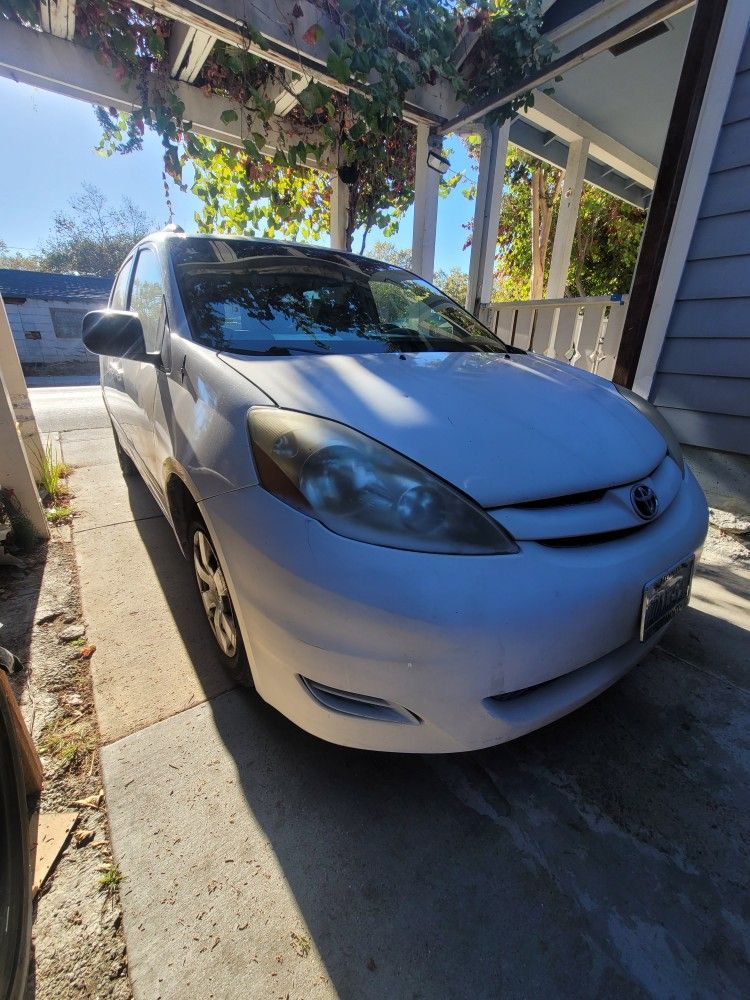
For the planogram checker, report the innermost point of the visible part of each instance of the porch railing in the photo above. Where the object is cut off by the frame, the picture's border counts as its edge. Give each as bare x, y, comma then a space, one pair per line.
584, 332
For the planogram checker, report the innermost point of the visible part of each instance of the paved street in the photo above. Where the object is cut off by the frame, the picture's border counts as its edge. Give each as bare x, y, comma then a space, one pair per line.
606, 855
67, 403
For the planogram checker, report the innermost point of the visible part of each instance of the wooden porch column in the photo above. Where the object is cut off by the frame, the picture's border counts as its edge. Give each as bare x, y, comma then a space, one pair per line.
15, 472
426, 185
487, 215
567, 217
15, 383
340, 201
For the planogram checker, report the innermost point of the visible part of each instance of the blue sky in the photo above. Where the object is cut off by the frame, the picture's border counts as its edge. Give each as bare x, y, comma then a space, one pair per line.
53, 138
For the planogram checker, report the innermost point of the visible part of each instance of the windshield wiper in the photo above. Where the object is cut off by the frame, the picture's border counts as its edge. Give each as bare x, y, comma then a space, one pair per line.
278, 350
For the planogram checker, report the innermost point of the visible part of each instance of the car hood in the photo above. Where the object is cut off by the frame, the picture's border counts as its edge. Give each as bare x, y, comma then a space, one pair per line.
505, 429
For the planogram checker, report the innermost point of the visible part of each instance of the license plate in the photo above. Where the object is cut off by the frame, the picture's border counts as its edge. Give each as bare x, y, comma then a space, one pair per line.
664, 596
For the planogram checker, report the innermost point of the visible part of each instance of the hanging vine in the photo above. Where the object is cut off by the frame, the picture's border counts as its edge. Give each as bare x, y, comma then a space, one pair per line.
271, 181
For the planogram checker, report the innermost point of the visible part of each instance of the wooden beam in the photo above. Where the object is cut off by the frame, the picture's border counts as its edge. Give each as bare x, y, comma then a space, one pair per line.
340, 208
555, 117
188, 50
696, 67
287, 93
58, 17
655, 12
426, 189
63, 67
718, 89
283, 35
567, 217
493, 151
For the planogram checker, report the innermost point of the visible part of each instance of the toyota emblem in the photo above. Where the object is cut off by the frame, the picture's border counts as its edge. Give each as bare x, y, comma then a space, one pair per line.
644, 501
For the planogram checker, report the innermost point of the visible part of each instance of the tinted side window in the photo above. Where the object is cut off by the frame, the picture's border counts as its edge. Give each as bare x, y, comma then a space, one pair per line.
146, 297
119, 297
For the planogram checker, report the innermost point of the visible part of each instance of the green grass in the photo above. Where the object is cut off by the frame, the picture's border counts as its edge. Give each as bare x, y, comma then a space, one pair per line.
110, 879
57, 514
66, 742
52, 471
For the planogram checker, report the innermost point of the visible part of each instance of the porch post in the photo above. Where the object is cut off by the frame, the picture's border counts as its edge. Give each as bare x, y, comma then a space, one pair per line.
340, 198
492, 156
426, 185
567, 217
15, 472
19, 397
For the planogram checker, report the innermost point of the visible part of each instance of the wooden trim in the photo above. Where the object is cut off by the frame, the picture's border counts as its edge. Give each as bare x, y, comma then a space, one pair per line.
696, 67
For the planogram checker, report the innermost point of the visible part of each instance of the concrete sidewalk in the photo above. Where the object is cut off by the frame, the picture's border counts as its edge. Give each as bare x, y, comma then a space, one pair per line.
604, 855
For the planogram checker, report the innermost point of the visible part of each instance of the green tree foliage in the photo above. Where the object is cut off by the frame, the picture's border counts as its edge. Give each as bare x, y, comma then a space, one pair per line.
454, 282
92, 236
378, 52
19, 261
606, 243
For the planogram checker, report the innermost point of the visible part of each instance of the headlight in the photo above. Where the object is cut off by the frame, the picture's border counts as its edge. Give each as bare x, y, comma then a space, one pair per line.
674, 448
363, 490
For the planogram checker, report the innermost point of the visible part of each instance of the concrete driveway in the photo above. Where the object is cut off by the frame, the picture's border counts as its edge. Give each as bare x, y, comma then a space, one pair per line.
606, 855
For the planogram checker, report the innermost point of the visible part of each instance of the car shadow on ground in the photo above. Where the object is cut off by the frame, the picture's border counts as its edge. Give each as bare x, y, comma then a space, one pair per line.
603, 854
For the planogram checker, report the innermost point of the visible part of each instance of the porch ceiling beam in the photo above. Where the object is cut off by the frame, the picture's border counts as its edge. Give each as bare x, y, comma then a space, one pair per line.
555, 152
286, 93
554, 117
283, 34
54, 64
58, 17
188, 50
598, 18
652, 14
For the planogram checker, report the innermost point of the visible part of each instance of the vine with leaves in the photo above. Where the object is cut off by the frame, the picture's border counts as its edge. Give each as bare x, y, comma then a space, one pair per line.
379, 51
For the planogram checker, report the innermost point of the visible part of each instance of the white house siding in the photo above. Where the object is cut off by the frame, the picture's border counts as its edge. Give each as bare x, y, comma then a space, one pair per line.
702, 382
34, 316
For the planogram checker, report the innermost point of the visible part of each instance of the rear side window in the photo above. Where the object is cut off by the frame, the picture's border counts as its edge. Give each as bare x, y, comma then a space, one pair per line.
146, 297
119, 296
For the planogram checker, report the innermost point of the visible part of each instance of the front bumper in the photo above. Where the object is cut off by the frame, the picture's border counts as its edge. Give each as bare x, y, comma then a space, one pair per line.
437, 638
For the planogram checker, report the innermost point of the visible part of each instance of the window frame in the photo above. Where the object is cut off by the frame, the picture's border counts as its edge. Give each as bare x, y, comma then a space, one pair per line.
162, 341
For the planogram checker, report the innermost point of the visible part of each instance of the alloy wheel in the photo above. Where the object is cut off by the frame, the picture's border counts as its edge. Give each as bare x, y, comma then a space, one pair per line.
214, 593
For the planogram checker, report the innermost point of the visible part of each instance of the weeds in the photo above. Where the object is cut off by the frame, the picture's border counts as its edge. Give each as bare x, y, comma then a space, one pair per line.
52, 471
57, 514
110, 879
66, 742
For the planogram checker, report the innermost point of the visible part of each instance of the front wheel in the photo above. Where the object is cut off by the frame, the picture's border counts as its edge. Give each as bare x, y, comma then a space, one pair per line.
214, 593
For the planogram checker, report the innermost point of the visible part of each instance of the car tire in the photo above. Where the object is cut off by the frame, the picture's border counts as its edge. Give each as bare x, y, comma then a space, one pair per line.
217, 604
127, 465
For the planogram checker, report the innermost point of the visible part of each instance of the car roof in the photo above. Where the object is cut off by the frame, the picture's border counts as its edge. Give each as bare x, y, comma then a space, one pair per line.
165, 236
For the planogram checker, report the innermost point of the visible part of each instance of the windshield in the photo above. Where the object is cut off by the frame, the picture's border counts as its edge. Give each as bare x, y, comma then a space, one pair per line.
257, 298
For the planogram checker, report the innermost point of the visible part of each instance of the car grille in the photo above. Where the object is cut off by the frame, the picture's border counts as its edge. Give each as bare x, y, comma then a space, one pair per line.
591, 517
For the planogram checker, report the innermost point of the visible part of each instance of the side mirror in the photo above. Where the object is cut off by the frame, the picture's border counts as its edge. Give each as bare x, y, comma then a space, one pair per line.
116, 334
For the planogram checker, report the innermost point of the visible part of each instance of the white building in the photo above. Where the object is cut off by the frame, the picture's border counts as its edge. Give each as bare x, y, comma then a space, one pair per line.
45, 313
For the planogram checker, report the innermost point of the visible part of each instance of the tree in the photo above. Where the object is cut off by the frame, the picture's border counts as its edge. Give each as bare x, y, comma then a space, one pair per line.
378, 52
454, 282
93, 237
606, 243
18, 261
